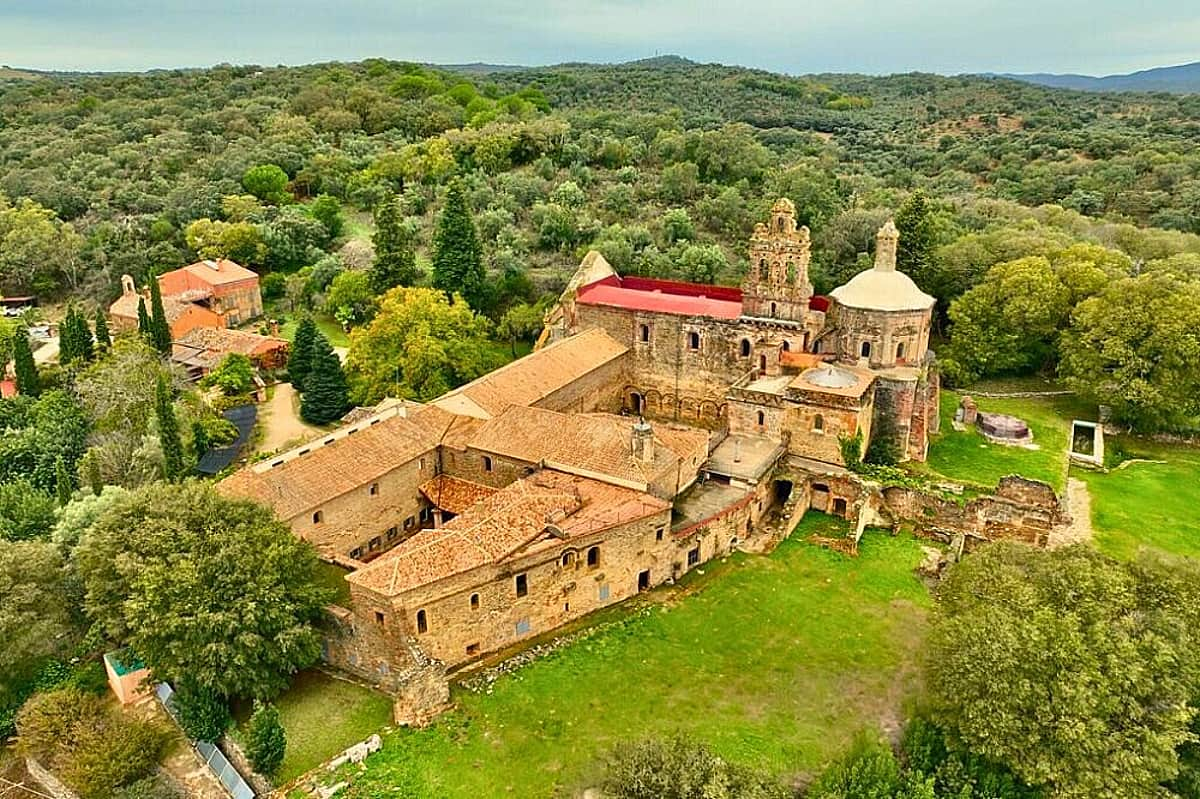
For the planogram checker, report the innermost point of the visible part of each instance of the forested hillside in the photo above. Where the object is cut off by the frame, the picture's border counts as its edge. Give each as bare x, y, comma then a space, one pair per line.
663, 165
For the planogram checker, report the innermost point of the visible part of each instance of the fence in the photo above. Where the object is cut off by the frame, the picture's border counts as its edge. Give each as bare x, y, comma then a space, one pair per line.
213, 757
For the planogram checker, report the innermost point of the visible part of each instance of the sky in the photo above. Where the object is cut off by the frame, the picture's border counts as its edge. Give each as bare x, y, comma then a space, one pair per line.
1093, 37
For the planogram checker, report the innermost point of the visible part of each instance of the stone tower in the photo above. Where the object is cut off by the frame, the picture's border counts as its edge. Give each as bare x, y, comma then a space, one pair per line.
777, 284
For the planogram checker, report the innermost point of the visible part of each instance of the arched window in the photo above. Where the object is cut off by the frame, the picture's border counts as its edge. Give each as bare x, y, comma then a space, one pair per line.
474, 601
774, 309
762, 263
787, 346
318, 516
694, 340
487, 463
635, 402
567, 558
422, 622
762, 419
818, 423
745, 348
593, 557
865, 350
791, 272
900, 350
644, 332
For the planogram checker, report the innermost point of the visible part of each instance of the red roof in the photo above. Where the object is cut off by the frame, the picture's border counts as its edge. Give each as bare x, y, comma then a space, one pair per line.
8, 389
663, 296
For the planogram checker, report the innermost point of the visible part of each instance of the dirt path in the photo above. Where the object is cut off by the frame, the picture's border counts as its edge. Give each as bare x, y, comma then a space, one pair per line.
1079, 505
281, 422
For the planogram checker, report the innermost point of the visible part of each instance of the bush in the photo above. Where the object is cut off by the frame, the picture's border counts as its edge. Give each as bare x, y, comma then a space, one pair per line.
682, 769
266, 741
160, 786
273, 285
203, 714
870, 771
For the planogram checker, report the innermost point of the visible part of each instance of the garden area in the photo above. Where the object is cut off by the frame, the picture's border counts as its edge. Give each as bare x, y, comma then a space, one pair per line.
776, 661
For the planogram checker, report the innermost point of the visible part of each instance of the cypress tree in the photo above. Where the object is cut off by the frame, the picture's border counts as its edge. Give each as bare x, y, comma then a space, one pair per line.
62, 482
83, 337
143, 319
103, 339
91, 465
300, 357
200, 442
68, 338
326, 397
457, 253
28, 382
168, 432
395, 262
160, 330
918, 238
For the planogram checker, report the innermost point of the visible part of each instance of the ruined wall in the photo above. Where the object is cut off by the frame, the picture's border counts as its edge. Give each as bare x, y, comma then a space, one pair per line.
362, 640
354, 520
561, 586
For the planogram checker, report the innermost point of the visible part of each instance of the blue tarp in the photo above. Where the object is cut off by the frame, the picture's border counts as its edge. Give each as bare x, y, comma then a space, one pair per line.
243, 418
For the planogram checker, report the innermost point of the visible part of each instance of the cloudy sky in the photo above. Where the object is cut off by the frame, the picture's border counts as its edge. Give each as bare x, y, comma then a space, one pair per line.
948, 36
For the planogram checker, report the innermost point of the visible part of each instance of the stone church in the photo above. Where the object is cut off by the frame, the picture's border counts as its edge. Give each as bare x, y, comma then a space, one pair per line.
658, 425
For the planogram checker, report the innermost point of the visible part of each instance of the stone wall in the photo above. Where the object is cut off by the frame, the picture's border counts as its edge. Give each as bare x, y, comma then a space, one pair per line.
52, 784
239, 301
360, 642
599, 390
896, 338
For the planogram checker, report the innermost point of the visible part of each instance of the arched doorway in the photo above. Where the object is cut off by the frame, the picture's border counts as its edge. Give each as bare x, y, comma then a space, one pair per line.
636, 404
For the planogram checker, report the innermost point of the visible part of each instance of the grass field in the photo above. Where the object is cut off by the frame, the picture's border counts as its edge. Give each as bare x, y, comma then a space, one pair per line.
776, 661
323, 716
326, 324
969, 457
1147, 504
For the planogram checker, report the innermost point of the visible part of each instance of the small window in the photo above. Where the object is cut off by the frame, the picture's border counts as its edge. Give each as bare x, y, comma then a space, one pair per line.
426, 514
865, 350
421, 464
762, 362
787, 346
567, 559
658, 534
774, 309
375, 543
522, 584
422, 622
900, 350
410, 523
392, 533
818, 424
762, 419
379, 617
318, 517
487, 463
566, 607
472, 649
474, 601
523, 627
593, 557
745, 348
356, 553
693, 340
602, 593
374, 489
644, 333
693, 556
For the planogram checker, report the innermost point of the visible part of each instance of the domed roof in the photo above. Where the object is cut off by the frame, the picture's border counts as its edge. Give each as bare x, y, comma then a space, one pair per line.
829, 376
877, 290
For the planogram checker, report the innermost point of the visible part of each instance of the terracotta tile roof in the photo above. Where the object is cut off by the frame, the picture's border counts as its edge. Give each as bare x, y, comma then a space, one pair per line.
224, 341
454, 494
801, 360
330, 470
597, 444
512, 522
216, 272
126, 306
528, 380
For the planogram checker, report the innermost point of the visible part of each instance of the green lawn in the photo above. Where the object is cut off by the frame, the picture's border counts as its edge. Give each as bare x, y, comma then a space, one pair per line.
334, 578
1147, 504
776, 661
969, 457
327, 325
323, 716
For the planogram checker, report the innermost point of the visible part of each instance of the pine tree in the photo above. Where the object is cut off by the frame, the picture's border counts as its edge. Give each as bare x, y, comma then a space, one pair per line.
395, 262
200, 441
103, 339
28, 382
143, 319
300, 357
457, 254
266, 740
160, 330
168, 432
62, 482
326, 397
918, 238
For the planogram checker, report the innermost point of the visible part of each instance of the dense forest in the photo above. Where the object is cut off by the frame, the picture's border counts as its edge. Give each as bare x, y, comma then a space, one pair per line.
663, 165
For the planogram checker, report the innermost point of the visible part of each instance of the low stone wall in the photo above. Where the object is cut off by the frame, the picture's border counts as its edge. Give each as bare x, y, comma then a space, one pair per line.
52, 784
230, 748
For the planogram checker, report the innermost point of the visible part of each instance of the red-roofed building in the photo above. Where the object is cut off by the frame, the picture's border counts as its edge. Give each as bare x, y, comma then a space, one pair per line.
227, 288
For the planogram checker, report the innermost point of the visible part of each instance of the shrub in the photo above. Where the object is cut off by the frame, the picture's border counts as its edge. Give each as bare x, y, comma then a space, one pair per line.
681, 768
203, 714
159, 786
870, 771
272, 285
266, 741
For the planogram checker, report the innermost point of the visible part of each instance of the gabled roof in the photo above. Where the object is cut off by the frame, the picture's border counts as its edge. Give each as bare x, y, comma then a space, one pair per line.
537, 512
224, 340
454, 494
663, 296
531, 379
213, 272
126, 306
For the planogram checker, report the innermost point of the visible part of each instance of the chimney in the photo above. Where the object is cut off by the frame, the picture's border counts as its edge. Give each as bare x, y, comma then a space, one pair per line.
643, 441
886, 242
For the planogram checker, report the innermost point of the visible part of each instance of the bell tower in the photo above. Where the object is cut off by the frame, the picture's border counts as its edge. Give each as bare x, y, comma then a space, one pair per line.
777, 284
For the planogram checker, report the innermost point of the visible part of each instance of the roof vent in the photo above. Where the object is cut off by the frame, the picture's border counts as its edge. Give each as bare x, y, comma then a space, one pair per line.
213, 265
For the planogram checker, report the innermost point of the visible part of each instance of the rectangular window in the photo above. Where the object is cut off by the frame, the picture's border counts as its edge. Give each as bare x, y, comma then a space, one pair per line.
378, 617
522, 583
693, 556
658, 534
318, 517
374, 489
376, 543
356, 553
392, 533
523, 627
603, 592
410, 522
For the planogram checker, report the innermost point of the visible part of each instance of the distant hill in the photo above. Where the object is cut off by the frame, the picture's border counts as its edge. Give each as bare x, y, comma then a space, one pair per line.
1182, 79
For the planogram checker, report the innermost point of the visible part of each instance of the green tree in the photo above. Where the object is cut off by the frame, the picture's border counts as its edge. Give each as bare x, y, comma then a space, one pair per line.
350, 298
300, 357
63, 482
326, 209
918, 238
419, 346
326, 397
168, 431
1136, 348
395, 262
8, 334
520, 322
143, 319
28, 382
266, 741
200, 441
457, 254
75, 338
203, 714
233, 375
160, 328
35, 621
869, 771
268, 183
53, 427
211, 589
103, 339
26, 512
677, 226
1073, 669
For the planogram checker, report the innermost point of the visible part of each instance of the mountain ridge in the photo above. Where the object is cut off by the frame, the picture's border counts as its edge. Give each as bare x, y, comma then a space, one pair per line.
1177, 79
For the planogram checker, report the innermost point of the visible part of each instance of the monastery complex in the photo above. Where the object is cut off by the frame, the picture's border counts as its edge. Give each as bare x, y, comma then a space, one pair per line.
657, 426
